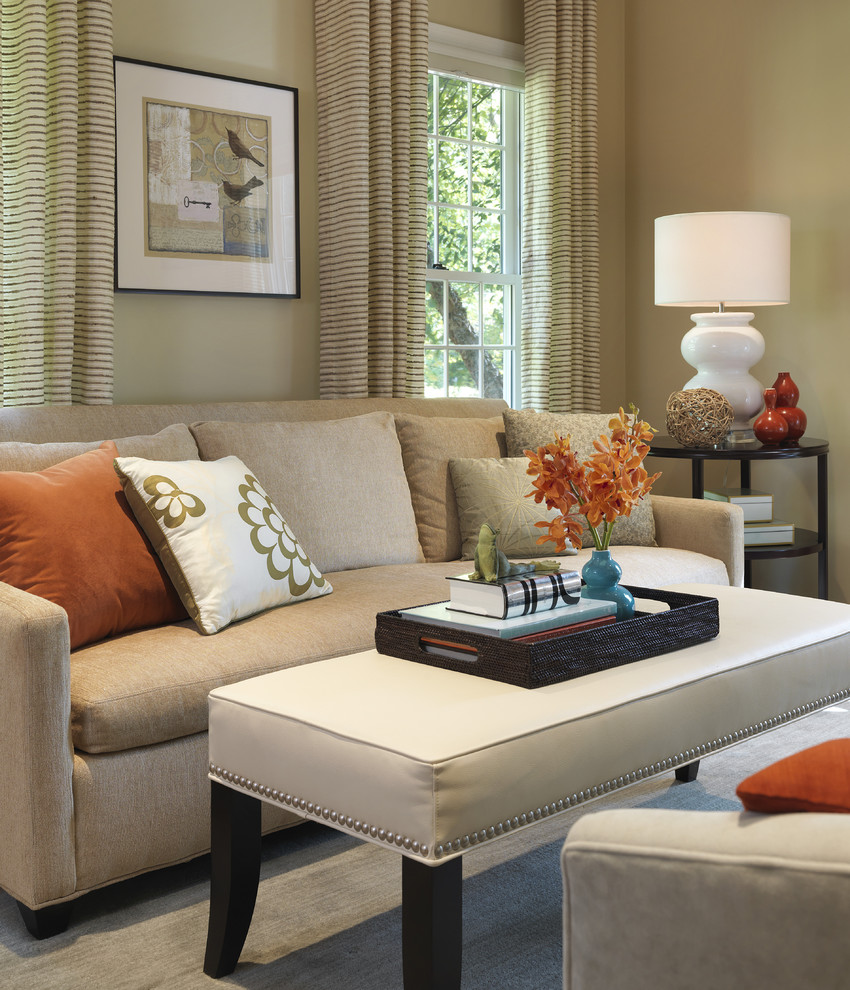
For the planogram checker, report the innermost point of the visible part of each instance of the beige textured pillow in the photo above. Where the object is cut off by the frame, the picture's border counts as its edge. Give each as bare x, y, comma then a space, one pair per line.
526, 429
174, 443
427, 445
492, 490
224, 544
339, 483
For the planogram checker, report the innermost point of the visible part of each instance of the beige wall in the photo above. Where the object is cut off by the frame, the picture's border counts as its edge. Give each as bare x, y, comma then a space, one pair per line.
743, 106
501, 19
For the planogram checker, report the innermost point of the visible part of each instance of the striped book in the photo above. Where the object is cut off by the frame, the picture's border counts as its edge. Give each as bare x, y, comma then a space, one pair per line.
512, 596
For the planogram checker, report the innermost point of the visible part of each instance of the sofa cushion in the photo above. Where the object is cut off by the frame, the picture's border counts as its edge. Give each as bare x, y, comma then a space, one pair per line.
816, 779
150, 686
427, 444
493, 490
67, 535
224, 544
340, 484
174, 443
526, 429
658, 567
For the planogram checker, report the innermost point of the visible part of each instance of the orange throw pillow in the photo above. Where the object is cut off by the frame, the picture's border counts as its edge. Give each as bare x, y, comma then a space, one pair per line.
68, 535
817, 779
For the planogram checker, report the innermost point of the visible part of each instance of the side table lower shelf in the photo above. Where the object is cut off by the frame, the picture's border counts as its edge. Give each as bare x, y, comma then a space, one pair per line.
805, 542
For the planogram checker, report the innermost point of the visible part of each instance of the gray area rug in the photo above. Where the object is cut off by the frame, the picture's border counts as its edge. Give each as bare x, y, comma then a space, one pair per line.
328, 912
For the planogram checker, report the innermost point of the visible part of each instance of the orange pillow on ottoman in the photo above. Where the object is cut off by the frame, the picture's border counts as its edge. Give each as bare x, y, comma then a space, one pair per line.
68, 535
817, 779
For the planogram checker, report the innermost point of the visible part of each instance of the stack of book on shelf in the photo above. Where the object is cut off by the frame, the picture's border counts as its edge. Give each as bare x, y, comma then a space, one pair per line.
760, 528
523, 609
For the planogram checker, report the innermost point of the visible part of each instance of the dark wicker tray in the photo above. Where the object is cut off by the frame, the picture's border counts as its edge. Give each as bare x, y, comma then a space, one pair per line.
691, 619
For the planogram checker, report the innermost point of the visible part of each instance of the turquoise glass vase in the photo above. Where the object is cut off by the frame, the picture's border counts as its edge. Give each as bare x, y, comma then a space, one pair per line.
601, 575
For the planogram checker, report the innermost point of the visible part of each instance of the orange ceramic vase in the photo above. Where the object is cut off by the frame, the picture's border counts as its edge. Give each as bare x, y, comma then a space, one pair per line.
771, 427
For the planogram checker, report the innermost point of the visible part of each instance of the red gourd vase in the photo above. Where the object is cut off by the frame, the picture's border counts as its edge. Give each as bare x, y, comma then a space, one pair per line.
787, 396
770, 427
787, 393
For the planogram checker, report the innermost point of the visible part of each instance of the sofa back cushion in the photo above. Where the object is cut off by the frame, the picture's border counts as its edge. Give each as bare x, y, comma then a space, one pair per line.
174, 443
67, 535
428, 443
340, 484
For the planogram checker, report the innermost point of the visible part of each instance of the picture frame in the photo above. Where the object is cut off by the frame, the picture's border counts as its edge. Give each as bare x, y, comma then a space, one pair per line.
206, 181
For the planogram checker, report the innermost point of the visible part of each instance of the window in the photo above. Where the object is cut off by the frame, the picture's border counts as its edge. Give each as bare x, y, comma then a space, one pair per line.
473, 279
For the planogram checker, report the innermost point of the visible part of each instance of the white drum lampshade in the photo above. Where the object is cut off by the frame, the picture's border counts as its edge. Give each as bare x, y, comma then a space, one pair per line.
724, 259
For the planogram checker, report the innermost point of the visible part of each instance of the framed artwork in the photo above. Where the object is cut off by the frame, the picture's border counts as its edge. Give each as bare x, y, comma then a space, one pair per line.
206, 183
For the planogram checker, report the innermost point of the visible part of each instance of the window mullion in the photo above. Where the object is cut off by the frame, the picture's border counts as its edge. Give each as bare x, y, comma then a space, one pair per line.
481, 338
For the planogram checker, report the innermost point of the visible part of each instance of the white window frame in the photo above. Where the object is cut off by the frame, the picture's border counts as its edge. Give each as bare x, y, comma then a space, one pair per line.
476, 58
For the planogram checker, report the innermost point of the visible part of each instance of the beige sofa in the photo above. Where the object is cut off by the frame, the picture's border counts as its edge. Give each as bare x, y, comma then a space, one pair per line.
104, 749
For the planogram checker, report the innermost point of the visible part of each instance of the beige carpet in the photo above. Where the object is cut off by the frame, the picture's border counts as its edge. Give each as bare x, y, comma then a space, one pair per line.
328, 912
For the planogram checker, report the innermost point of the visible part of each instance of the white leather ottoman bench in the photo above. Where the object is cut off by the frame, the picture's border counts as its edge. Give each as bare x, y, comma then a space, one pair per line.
431, 763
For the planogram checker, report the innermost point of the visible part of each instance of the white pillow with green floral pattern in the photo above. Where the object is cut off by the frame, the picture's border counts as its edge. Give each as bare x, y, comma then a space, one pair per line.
224, 544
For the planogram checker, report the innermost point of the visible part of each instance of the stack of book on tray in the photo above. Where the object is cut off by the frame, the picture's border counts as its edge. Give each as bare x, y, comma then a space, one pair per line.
760, 528
523, 609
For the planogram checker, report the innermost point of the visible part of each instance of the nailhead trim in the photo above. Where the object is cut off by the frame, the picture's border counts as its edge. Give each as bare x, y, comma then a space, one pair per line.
313, 810
461, 843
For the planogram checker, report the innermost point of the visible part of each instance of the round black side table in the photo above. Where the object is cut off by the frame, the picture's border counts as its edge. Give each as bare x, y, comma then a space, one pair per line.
805, 540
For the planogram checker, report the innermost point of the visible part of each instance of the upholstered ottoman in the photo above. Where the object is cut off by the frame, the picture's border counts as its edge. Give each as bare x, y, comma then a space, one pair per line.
432, 763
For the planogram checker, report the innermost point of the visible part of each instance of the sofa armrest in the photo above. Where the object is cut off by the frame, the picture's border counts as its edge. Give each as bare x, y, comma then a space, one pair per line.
658, 899
36, 754
713, 528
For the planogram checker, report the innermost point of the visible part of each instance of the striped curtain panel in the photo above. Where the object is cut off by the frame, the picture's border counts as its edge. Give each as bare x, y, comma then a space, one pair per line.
560, 280
371, 83
57, 179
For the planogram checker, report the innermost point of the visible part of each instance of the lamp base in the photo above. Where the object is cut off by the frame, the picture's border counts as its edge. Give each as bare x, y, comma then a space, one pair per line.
723, 347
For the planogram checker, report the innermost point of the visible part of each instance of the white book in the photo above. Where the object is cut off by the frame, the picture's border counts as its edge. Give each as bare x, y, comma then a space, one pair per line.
757, 505
765, 534
439, 614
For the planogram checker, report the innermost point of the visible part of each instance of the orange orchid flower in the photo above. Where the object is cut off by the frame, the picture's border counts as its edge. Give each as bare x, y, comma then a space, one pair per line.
606, 486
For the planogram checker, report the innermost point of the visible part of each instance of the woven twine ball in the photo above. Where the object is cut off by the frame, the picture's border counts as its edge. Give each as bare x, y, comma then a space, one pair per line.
698, 417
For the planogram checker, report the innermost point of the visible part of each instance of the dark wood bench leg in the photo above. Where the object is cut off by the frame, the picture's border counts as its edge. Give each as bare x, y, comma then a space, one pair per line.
432, 924
235, 836
688, 772
47, 921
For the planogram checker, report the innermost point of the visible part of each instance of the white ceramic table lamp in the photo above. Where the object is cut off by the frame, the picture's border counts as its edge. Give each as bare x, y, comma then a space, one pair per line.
724, 259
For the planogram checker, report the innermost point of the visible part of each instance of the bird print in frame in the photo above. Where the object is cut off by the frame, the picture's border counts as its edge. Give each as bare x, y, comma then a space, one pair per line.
207, 182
